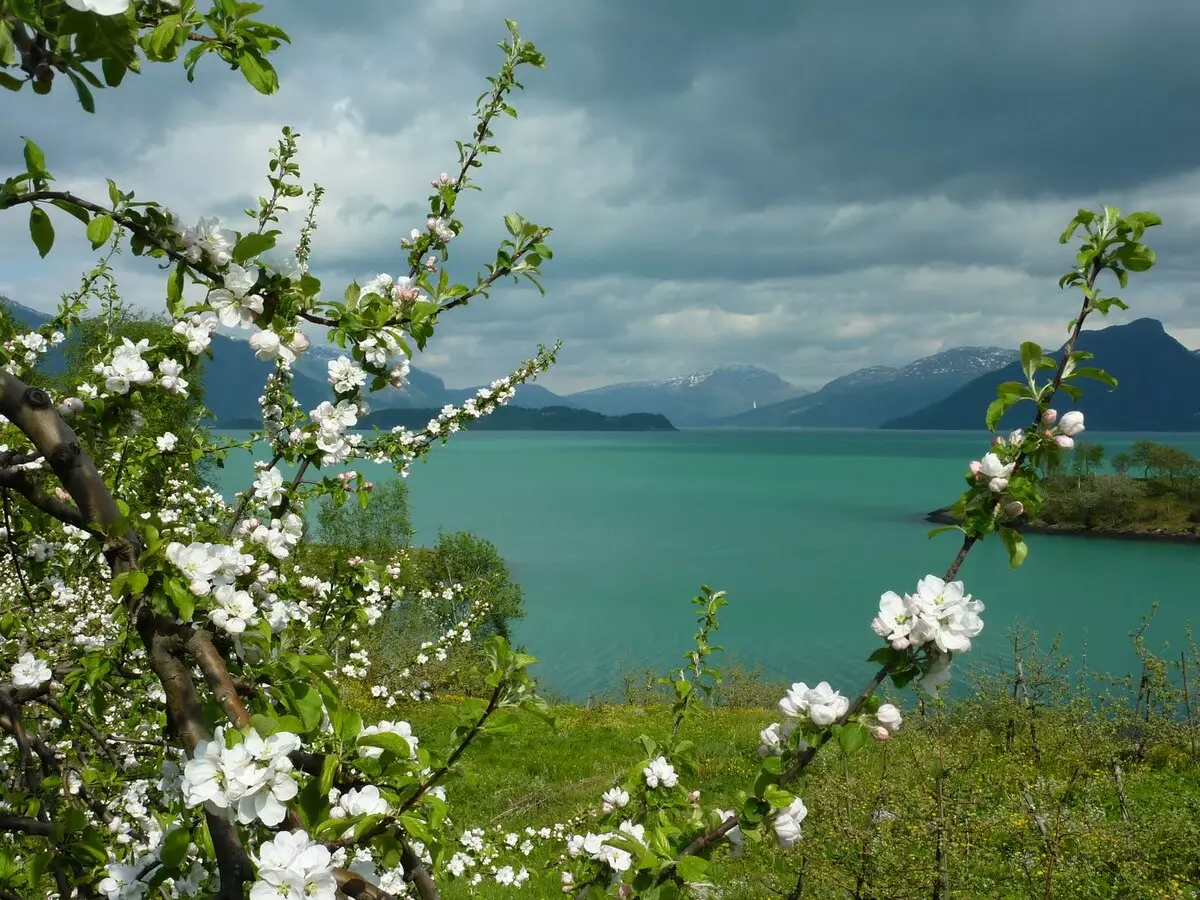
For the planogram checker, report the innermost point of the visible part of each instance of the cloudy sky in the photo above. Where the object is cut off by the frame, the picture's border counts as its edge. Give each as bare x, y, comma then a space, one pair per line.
808, 186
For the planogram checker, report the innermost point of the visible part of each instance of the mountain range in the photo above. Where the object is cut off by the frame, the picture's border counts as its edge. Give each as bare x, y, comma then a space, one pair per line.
694, 399
1158, 378
869, 397
1160, 388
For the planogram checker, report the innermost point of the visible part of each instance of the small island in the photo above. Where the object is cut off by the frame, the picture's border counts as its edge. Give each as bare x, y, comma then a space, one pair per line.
1151, 493
519, 418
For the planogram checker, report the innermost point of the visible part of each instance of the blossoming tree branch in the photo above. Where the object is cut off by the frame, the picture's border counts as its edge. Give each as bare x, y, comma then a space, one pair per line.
172, 709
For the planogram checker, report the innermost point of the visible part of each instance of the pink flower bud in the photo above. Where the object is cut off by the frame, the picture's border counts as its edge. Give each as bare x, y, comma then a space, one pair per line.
368, 485
61, 494
1064, 441
693, 796
976, 466
1049, 417
997, 441
881, 733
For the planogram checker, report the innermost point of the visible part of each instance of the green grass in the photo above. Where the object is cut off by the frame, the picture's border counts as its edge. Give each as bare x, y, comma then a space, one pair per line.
995, 792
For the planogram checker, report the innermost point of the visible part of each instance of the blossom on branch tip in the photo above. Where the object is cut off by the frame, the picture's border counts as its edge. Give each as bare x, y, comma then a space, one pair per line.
821, 704
614, 798
1071, 423
787, 823
660, 772
166, 442
889, 718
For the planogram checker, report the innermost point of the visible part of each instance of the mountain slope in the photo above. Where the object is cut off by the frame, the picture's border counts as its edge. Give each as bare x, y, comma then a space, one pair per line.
868, 397
1159, 387
690, 399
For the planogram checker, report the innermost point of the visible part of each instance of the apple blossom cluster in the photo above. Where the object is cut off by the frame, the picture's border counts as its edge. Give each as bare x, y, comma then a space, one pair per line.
1063, 433
206, 241
196, 331
996, 472
207, 566
24, 350
605, 848
252, 780
939, 614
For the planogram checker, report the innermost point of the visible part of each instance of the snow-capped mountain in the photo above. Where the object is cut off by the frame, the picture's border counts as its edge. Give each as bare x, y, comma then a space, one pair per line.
692, 398
866, 398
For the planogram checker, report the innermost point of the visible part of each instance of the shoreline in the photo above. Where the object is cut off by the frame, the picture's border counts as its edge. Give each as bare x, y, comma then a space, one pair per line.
941, 516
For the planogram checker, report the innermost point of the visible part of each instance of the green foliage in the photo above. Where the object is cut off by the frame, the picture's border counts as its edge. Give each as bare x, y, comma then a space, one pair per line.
476, 563
376, 530
40, 40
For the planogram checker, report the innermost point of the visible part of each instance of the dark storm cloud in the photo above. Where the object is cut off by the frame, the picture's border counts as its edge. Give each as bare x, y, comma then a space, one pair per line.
810, 186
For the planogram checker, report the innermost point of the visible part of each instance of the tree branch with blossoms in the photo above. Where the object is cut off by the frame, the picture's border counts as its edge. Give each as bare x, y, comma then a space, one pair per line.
206, 604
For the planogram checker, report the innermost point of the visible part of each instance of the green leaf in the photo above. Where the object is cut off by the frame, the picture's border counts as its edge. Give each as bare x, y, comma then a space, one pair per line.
174, 847
260, 73
113, 70
99, 230
35, 159
162, 38
86, 100
853, 737
73, 209
388, 740
692, 869
11, 83
306, 701
175, 291
933, 532
997, 408
1136, 257
1097, 374
1017, 548
252, 245
1031, 356
41, 229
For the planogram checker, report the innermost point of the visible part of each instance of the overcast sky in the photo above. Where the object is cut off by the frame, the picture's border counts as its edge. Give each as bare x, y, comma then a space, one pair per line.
809, 186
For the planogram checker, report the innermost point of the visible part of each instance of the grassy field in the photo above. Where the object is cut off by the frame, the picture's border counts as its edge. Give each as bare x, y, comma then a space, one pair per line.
987, 798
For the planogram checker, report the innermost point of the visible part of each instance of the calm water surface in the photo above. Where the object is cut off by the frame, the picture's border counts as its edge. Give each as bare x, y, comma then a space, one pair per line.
611, 534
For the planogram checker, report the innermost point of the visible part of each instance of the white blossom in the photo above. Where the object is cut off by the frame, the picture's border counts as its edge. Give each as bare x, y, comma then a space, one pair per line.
234, 303
660, 772
29, 671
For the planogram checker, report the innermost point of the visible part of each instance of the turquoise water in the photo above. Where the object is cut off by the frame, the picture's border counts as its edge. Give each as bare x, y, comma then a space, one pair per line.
611, 534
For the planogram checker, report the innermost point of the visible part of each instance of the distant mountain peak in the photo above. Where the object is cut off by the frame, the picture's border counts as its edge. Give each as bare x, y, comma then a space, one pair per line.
693, 398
